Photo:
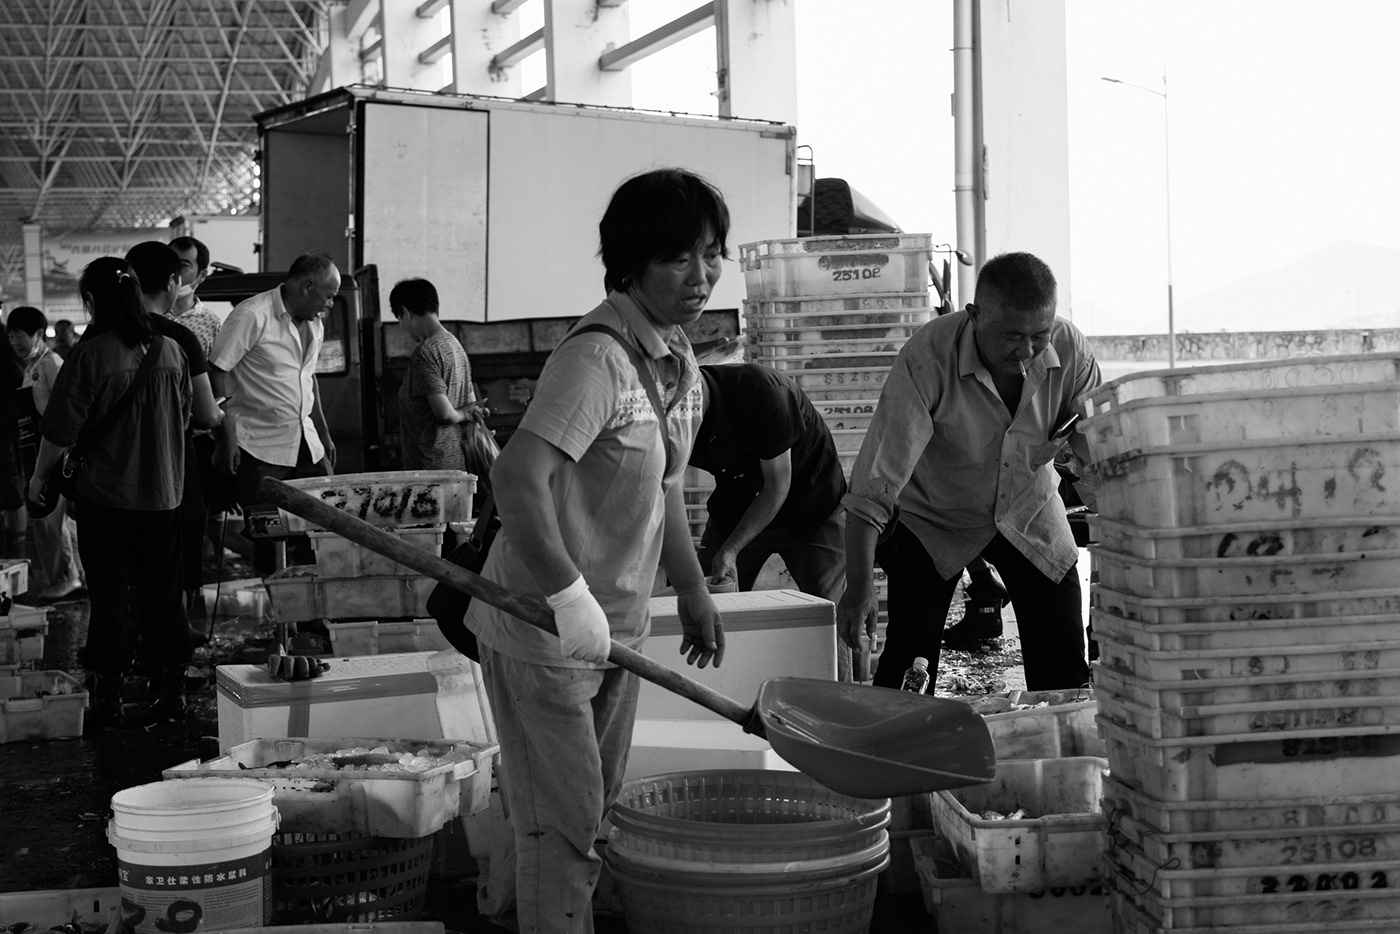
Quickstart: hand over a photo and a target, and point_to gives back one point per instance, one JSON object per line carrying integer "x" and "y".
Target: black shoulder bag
{"x": 447, "y": 604}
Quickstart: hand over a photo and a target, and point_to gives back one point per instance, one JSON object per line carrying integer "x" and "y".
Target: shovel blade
{"x": 871, "y": 742}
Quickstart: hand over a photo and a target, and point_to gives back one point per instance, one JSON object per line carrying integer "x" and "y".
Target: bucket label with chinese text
{"x": 200, "y": 896}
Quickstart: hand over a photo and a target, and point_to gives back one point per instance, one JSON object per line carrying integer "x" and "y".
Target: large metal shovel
{"x": 863, "y": 741}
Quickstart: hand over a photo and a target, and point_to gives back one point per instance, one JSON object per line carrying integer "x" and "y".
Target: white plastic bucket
{"x": 194, "y": 855}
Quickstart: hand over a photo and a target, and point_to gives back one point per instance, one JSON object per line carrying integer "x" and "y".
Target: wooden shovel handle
{"x": 533, "y": 611}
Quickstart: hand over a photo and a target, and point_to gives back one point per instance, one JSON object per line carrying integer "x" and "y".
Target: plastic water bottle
{"x": 916, "y": 678}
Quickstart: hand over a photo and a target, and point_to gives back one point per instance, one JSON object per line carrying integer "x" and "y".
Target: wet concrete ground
{"x": 55, "y": 795}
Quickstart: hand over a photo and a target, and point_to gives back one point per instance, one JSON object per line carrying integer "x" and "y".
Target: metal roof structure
{"x": 125, "y": 113}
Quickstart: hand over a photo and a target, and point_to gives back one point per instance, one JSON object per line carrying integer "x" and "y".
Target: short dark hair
{"x": 201, "y": 252}
{"x": 110, "y": 284}
{"x": 28, "y": 319}
{"x": 1016, "y": 281}
{"x": 61, "y": 325}
{"x": 418, "y": 296}
{"x": 311, "y": 266}
{"x": 155, "y": 263}
{"x": 657, "y": 216}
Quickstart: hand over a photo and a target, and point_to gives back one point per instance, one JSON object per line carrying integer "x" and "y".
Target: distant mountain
{"x": 1345, "y": 285}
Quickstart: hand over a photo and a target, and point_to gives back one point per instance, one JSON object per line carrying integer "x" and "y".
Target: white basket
{"x": 1360, "y": 761}
{"x": 340, "y": 557}
{"x": 1238, "y": 579}
{"x": 1251, "y": 482}
{"x": 387, "y": 804}
{"x": 1261, "y": 539}
{"x": 14, "y": 576}
{"x": 1058, "y": 845}
{"x": 1321, "y": 605}
{"x": 375, "y": 637}
{"x": 1295, "y": 373}
{"x": 22, "y": 635}
{"x": 1055, "y": 731}
{"x": 41, "y": 705}
{"x": 392, "y": 498}
{"x": 836, "y": 265}
{"x": 1236, "y": 417}
{"x": 1245, "y": 636}
{"x": 298, "y": 594}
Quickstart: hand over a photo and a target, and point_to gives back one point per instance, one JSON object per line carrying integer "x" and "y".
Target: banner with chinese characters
{"x": 65, "y": 254}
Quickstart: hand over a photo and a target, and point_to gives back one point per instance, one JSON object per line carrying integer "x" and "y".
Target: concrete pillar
{"x": 756, "y": 48}
{"x": 34, "y": 265}
{"x": 340, "y": 62}
{"x": 576, "y": 32}
{"x": 478, "y": 35}
{"x": 406, "y": 34}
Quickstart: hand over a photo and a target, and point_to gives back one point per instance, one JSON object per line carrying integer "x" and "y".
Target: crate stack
{"x": 34, "y": 704}
{"x": 1248, "y": 623}
{"x": 370, "y": 603}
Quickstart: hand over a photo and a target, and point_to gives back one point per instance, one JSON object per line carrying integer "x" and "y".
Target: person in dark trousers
{"x": 958, "y": 462}
{"x": 778, "y": 484}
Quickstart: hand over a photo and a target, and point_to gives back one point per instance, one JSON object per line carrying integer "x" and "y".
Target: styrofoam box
{"x": 22, "y": 635}
{"x": 1356, "y": 761}
{"x": 1302, "y": 609}
{"x": 836, "y": 265}
{"x": 14, "y": 576}
{"x": 378, "y": 695}
{"x": 767, "y": 634}
{"x": 1058, "y": 730}
{"x": 1230, "y": 848}
{"x": 1237, "y": 579}
{"x": 1056, "y": 845}
{"x": 960, "y": 906}
{"x": 1163, "y": 717}
{"x": 298, "y": 594}
{"x": 41, "y": 705}
{"x": 1295, "y": 373}
{"x": 391, "y": 498}
{"x": 1245, "y": 636}
{"x": 1372, "y": 534}
{"x": 1251, "y": 481}
{"x": 340, "y": 557}
{"x": 49, "y": 908}
{"x": 384, "y": 804}
{"x": 1261, "y": 897}
{"x": 663, "y": 746}
{"x": 1247, "y": 415}
{"x": 373, "y": 637}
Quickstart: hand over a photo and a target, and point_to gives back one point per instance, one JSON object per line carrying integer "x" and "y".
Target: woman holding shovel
{"x": 590, "y": 497}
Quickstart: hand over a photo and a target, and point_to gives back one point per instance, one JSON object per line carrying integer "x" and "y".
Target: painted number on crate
{"x": 1347, "y": 848}
{"x": 1351, "y": 815}
{"x": 1325, "y": 882}
{"x": 1274, "y": 720}
{"x": 847, "y": 275}
{"x": 847, "y": 268}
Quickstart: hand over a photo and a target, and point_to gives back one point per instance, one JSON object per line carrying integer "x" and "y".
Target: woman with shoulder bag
{"x": 122, "y": 403}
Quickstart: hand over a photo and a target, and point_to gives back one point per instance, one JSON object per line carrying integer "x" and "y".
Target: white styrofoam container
{"x": 383, "y": 804}
{"x": 22, "y": 635}
{"x": 1057, "y": 844}
{"x": 1356, "y": 761}
{"x": 1236, "y": 579}
{"x": 836, "y": 265}
{"x": 14, "y": 576}
{"x": 1295, "y": 373}
{"x": 41, "y": 705}
{"x": 340, "y": 557}
{"x": 1266, "y": 607}
{"x": 1244, "y": 636}
{"x": 767, "y": 634}
{"x": 1251, "y": 481}
{"x": 1371, "y": 534}
{"x": 960, "y": 906}
{"x": 379, "y": 695}
{"x": 391, "y": 498}
{"x": 1247, "y": 415}
{"x": 298, "y": 594}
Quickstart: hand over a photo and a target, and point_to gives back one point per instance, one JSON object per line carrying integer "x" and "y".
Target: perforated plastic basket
{"x": 327, "y": 877}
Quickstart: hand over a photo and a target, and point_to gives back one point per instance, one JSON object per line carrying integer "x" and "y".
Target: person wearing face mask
{"x": 188, "y": 309}
{"x": 590, "y": 498}
{"x": 264, "y": 370}
{"x": 958, "y": 462}
{"x": 55, "y": 535}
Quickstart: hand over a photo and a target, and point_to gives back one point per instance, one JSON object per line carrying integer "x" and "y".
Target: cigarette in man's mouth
{"x": 1022, "y": 365}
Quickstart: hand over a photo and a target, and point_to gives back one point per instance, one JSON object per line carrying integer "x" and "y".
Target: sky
{"x": 1283, "y": 137}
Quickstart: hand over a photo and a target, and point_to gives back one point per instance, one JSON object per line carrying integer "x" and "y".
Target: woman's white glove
{"x": 582, "y": 624}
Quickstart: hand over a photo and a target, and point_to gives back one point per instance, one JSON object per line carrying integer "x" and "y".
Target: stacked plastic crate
{"x": 366, "y": 598}
{"x": 1248, "y": 623}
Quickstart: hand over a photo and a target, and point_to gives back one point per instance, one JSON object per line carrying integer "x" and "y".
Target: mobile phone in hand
{"x": 1065, "y": 427}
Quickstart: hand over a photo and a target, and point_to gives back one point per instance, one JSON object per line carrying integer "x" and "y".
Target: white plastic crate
{"x": 847, "y": 382}
{"x": 51, "y": 908}
{"x": 1056, "y": 845}
{"x": 836, "y": 265}
{"x": 1296, "y": 373}
{"x": 1244, "y": 636}
{"x": 1236, "y": 579}
{"x": 851, "y": 389}
{"x": 1250, "y": 482}
{"x": 14, "y": 576}
{"x": 1058, "y": 730}
{"x": 1260, "y": 897}
{"x": 375, "y": 637}
{"x": 298, "y": 594}
{"x": 1372, "y": 534}
{"x": 779, "y": 359}
{"x": 1360, "y": 761}
{"x": 391, "y": 498}
{"x": 1279, "y": 846}
{"x": 340, "y": 557}
{"x": 1274, "y": 607}
{"x": 386, "y": 804}
{"x": 22, "y": 635}
{"x": 41, "y": 705}
{"x": 848, "y": 439}
{"x": 1248, "y": 415}
{"x": 845, "y": 339}
{"x": 860, "y": 310}
{"x": 960, "y": 906}
{"x": 846, "y": 413}
{"x": 1199, "y": 669}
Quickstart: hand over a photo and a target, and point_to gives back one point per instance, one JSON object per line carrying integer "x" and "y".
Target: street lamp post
{"x": 1167, "y": 170}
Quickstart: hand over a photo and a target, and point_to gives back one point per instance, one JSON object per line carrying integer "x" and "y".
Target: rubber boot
{"x": 169, "y": 706}
{"x": 104, "y": 702}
